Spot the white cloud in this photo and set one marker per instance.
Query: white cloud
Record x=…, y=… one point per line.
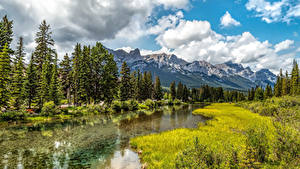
x=90, y=20
x=227, y=21
x=278, y=11
x=283, y=45
x=195, y=40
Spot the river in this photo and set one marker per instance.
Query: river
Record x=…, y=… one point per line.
x=100, y=141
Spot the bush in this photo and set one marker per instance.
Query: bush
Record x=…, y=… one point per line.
x=177, y=102
x=125, y=105
x=49, y=109
x=201, y=156
x=13, y=115
x=150, y=103
x=116, y=105
x=143, y=107
x=133, y=105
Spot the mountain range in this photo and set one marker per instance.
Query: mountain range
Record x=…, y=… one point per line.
x=170, y=68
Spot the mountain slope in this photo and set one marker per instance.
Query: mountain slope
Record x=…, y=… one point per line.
x=195, y=74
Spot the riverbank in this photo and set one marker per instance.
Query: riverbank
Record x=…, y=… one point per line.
x=51, y=112
x=234, y=137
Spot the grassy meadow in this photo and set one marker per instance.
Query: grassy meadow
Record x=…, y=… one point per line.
x=234, y=137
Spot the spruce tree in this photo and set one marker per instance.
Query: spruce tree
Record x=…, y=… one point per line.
x=18, y=76
x=295, y=79
x=66, y=75
x=149, y=85
x=109, y=82
x=259, y=94
x=75, y=72
x=278, y=87
x=134, y=85
x=173, y=90
x=268, y=92
x=45, y=79
x=139, y=85
x=54, y=83
x=185, y=94
x=157, y=89
x=30, y=84
x=84, y=75
x=179, y=92
x=6, y=34
x=125, y=85
x=4, y=76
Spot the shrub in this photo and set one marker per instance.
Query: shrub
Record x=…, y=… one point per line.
x=116, y=105
x=133, y=105
x=125, y=105
x=177, y=102
x=49, y=109
x=150, y=103
x=13, y=115
x=143, y=107
x=200, y=156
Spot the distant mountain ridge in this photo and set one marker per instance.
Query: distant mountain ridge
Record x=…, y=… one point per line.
x=197, y=73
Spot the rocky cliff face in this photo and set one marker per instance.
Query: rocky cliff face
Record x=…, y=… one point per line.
x=169, y=67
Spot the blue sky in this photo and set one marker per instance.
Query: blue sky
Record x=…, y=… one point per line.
x=255, y=33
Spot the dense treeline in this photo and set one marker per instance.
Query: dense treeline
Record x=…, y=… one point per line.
x=285, y=85
x=90, y=75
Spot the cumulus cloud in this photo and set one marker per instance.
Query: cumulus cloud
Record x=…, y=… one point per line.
x=90, y=20
x=283, y=45
x=278, y=11
x=227, y=20
x=195, y=40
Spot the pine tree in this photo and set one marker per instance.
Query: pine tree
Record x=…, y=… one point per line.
x=45, y=80
x=18, y=76
x=54, y=83
x=134, y=85
x=6, y=34
x=140, y=85
x=185, y=94
x=66, y=75
x=288, y=83
x=125, y=86
x=179, y=92
x=278, y=87
x=268, y=92
x=30, y=84
x=4, y=77
x=173, y=90
x=149, y=85
x=295, y=79
x=84, y=75
x=157, y=89
x=109, y=82
x=75, y=72
x=259, y=94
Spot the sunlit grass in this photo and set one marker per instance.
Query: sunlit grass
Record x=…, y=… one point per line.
x=224, y=133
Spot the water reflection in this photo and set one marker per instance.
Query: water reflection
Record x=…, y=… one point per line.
x=87, y=142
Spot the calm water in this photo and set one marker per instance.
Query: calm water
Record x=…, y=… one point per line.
x=87, y=142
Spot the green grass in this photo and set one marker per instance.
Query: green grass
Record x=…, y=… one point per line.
x=224, y=134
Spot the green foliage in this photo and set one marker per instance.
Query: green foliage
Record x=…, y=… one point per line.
x=18, y=77
x=30, y=84
x=259, y=94
x=4, y=77
x=66, y=77
x=133, y=105
x=173, y=90
x=13, y=115
x=116, y=105
x=49, y=109
x=157, y=89
x=125, y=86
x=233, y=138
x=150, y=103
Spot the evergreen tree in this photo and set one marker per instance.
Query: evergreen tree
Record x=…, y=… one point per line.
x=278, y=87
x=173, y=90
x=295, y=79
x=284, y=90
x=75, y=72
x=4, y=76
x=30, y=84
x=259, y=94
x=140, y=85
x=18, y=76
x=109, y=81
x=179, y=93
x=134, y=85
x=185, y=94
x=66, y=77
x=125, y=86
x=6, y=34
x=45, y=80
x=54, y=83
x=84, y=75
x=288, y=83
x=268, y=92
x=157, y=89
